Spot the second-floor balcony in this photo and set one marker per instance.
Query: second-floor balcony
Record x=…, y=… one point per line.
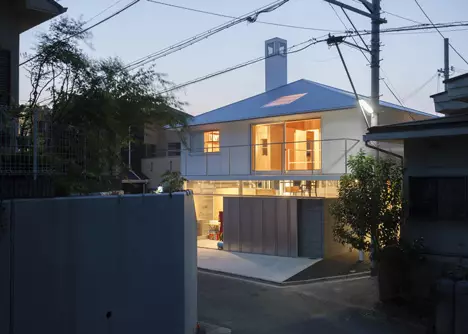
x=299, y=158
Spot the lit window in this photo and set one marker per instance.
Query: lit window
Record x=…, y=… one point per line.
x=284, y=100
x=211, y=141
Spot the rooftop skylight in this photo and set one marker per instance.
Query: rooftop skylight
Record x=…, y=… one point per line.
x=284, y=100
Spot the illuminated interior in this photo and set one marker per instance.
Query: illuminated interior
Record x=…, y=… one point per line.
x=294, y=146
x=211, y=141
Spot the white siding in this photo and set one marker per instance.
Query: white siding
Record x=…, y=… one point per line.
x=235, y=138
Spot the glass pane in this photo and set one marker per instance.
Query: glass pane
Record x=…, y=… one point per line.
x=267, y=147
x=303, y=146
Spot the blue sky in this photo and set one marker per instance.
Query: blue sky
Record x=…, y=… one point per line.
x=409, y=60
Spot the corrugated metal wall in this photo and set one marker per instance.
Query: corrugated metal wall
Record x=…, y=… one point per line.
x=261, y=225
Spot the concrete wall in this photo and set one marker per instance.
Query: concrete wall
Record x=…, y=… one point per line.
x=336, y=124
x=153, y=168
x=99, y=265
x=443, y=156
x=9, y=40
x=331, y=247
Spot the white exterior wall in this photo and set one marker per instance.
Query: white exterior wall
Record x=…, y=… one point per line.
x=234, y=157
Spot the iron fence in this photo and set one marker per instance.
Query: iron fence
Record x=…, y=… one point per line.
x=34, y=151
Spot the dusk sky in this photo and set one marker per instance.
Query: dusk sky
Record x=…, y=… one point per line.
x=409, y=59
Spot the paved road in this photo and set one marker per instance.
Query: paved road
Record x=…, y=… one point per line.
x=330, y=307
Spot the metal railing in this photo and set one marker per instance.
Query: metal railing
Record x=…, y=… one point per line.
x=329, y=156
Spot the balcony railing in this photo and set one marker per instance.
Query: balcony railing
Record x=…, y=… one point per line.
x=318, y=157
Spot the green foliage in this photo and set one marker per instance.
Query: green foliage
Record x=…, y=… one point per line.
x=98, y=98
x=369, y=206
x=172, y=181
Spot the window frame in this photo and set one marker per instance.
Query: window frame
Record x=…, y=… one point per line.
x=435, y=211
x=205, y=149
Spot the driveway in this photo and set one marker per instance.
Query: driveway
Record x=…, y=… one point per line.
x=264, y=267
x=328, y=307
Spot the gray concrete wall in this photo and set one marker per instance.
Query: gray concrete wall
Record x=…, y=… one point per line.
x=331, y=247
x=443, y=156
x=78, y=259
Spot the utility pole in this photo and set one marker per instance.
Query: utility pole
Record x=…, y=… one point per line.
x=375, y=62
x=446, y=70
x=373, y=12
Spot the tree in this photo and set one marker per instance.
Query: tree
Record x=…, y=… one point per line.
x=172, y=181
x=96, y=100
x=368, y=211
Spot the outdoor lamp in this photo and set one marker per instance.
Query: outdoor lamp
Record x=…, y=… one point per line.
x=366, y=107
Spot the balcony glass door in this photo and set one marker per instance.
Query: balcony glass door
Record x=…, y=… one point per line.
x=267, y=147
x=302, y=148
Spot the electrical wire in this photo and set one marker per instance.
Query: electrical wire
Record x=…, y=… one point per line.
x=86, y=29
x=102, y=11
x=234, y=17
x=401, y=17
x=290, y=50
x=429, y=19
x=417, y=90
x=384, y=80
x=249, y=17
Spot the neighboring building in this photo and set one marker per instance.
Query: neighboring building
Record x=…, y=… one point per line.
x=161, y=153
x=291, y=141
x=17, y=16
x=436, y=176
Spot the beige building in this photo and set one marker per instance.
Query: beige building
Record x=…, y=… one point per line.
x=16, y=17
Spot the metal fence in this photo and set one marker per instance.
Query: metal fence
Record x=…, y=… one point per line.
x=33, y=151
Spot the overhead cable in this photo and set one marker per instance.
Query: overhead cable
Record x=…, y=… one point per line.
x=85, y=30
x=234, y=17
x=249, y=17
x=429, y=19
x=290, y=50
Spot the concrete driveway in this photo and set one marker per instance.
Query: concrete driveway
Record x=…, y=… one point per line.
x=264, y=267
x=329, y=307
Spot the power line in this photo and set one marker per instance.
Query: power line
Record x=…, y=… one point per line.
x=365, y=56
x=451, y=46
x=86, y=29
x=401, y=17
x=308, y=43
x=234, y=17
x=417, y=90
x=249, y=17
x=102, y=11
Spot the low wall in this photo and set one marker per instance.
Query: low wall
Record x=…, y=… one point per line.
x=98, y=265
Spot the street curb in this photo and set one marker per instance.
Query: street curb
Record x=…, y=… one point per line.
x=328, y=279
x=290, y=283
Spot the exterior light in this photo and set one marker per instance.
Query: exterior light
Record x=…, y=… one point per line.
x=366, y=107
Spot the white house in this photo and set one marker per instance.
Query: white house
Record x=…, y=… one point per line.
x=291, y=141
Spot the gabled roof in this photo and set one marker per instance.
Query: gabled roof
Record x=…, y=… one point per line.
x=316, y=97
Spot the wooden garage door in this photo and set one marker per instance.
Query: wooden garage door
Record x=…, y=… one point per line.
x=310, y=228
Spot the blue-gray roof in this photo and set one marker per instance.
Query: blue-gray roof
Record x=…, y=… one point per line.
x=317, y=98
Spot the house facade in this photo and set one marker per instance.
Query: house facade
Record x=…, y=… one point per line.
x=436, y=177
x=293, y=141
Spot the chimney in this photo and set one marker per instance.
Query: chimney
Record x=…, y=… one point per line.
x=276, y=63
